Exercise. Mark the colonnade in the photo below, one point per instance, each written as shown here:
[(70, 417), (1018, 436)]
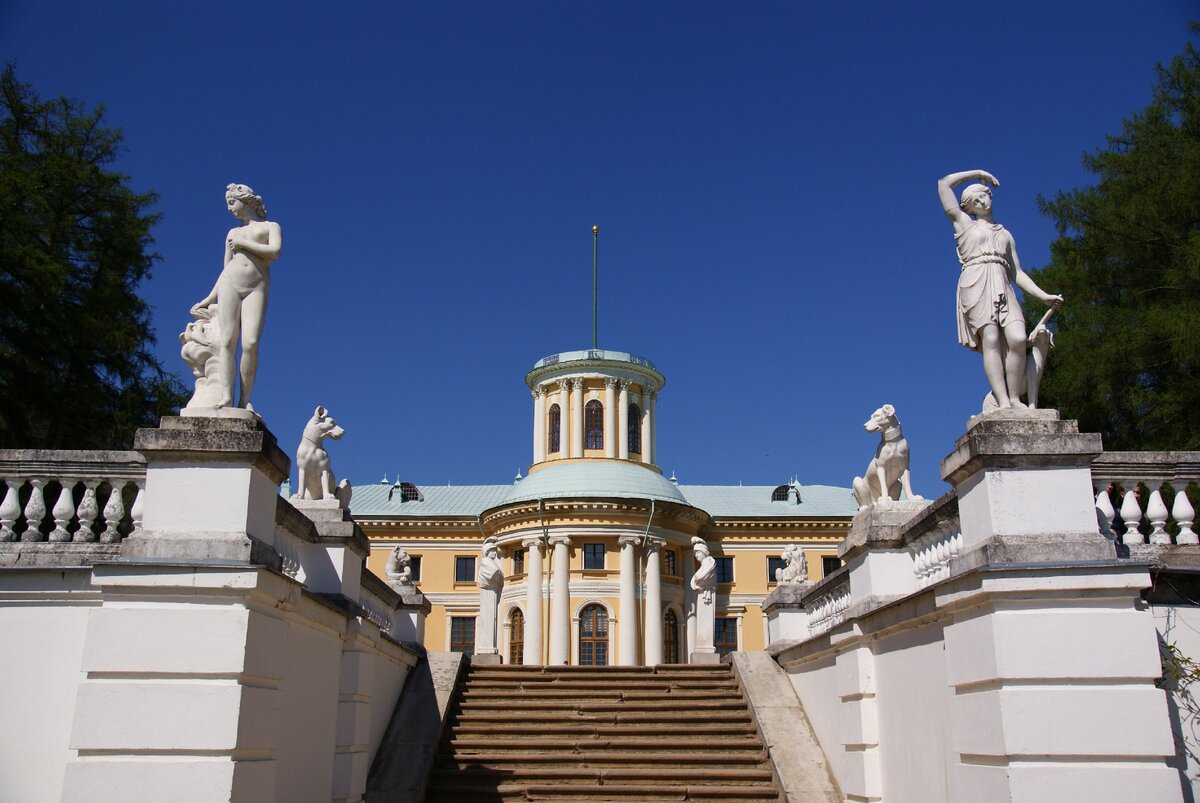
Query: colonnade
[(571, 396), (560, 601)]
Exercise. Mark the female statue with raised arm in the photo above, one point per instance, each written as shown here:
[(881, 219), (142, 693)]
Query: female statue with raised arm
[(241, 289), (989, 317)]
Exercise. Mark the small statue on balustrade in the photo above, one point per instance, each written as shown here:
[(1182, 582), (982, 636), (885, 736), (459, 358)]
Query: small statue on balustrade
[(399, 567), (887, 474), (315, 480), (795, 569)]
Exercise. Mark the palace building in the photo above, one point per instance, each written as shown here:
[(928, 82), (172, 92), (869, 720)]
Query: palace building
[(595, 541)]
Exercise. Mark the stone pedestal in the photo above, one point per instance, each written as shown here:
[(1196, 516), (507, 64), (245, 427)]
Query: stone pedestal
[(333, 564), (408, 621), (875, 553), (787, 620)]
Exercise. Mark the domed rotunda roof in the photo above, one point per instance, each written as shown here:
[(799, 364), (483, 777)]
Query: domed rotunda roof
[(596, 479)]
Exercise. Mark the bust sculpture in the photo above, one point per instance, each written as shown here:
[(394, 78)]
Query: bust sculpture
[(240, 293), (399, 567), (490, 579), (989, 316), (795, 569)]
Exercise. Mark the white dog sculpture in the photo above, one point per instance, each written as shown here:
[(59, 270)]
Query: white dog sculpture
[(312, 461), (887, 473)]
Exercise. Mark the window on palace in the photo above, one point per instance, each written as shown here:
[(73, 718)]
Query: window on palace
[(829, 565), (414, 563), (464, 569), (635, 429), (725, 635), (593, 423), (593, 556), (670, 562), (555, 429), (518, 561), (408, 492), (516, 637), (462, 634), (593, 636), (724, 570), (780, 494), (774, 563), (670, 638)]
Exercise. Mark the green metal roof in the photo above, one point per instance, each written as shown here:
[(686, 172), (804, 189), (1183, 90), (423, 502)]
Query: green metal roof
[(595, 479)]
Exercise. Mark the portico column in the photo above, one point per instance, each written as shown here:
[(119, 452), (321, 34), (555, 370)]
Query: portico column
[(654, 636), (648, 426), (560, 602), (577, 418), (564, 418), (533, 601), (623, 422), (627, 646), (610, 417), (539, 424)]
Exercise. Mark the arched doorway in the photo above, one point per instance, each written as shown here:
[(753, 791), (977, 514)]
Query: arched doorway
[(670, 638), (593, 636), (516, 637)]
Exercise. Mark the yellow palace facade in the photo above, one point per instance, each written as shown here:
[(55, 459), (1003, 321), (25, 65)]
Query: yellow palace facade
[(596, 544)]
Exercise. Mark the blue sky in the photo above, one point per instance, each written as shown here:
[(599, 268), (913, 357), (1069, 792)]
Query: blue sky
[(763, 175)]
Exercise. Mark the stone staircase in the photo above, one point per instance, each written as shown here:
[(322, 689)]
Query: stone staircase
[(671, 732)]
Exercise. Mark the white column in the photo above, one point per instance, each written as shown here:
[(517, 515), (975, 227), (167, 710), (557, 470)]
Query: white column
[(654, 611), (564, 418), (539, 425), (560, 601), (623, 422), (610, 417), (648, 426), (628, 619), (533, 601), (577, 418)]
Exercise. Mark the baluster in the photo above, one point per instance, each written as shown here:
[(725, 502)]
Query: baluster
[(64, 511), (1131, 514), (114, 511), (10, 509), (89, 509), (35, 511), (1105, 514), (1184, 515), (139, 506), (1156, 511)]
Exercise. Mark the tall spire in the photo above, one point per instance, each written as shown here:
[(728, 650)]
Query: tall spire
[(595, 250)]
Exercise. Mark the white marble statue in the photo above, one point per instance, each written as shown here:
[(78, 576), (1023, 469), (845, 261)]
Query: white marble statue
[(490, 579), (704, 588), (199, 350), (399, 567), (990, 320), (315, 480), (795, 569), (241, 291), (887, 473)]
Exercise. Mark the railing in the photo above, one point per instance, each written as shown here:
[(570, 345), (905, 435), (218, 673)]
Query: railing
[(77, 496), (829, 609), (1118, 479), (933, 553)]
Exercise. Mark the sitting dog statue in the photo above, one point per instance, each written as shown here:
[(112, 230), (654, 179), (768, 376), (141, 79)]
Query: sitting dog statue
[(887, 473), (312, 461)]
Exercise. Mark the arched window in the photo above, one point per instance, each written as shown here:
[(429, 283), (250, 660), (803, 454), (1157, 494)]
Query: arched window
[(408, 492), (516, 640), (593, 415), (555, 428), (635, 429), (593, 636), (670, 638), (780, 494)]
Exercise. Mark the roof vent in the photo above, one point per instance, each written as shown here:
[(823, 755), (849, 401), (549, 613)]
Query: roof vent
[(673, 478), (385, 480)]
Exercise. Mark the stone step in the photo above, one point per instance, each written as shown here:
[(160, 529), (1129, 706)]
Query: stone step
[(637, 704), (540, 684), (600, 793), (660, 669), (676, 695), (582, 727), (472, 771), (625, 742), (624, 715)]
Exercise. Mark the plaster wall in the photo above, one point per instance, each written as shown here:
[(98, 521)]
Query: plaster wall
[(1180, 626), (816, 686), (43, 621)]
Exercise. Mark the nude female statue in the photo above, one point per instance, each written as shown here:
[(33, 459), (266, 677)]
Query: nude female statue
[(241, 289), (989, 317)]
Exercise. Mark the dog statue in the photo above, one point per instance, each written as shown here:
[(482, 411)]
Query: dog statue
[(312, 461), (887, 473)]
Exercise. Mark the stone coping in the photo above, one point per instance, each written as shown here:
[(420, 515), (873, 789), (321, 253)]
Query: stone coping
[(397, 598), (1027, 439), (324, 529), (1148, 467), (71, 464), (210, 440), (884, 525), (789, 595), (56, 555)]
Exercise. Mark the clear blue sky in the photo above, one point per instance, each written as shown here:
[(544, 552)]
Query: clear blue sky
[(763, 175)]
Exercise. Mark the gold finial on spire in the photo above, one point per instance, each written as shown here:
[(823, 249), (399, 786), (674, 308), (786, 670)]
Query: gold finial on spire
[(595, 229)]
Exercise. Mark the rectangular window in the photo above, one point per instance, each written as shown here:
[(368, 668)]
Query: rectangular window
[(462, 634), (464, 569), (518, 561), (670, 562), (593, 556), (773, 563), (724, 570), (725, 635), (829, 565), (414, 563)]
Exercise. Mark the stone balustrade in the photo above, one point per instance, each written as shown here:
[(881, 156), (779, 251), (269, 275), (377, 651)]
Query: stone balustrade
[(1121, 511), (70, 496), (827, 609)]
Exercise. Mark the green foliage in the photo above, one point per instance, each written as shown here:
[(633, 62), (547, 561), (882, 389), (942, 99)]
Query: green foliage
[(75, 366), (1126, 361)]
